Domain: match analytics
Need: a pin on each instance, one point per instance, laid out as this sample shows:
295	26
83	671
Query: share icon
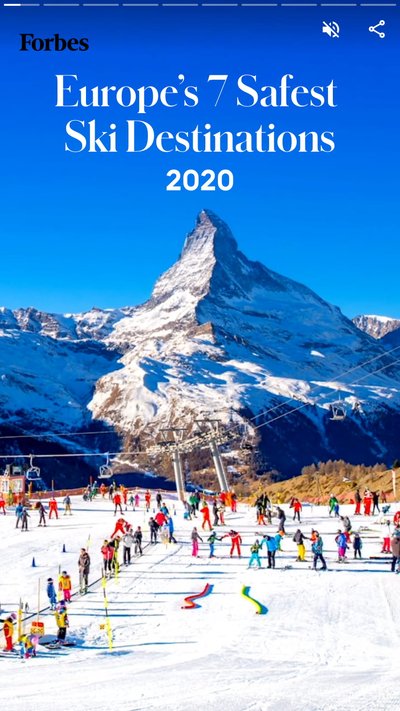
373	28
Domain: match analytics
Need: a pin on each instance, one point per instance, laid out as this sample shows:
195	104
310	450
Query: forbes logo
53	44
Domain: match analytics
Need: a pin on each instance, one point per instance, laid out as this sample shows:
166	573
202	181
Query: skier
103	490
65	586
299	539
147	498
341	542
128	541
158	499
108	553
317	548
270	542
236	540
42	514
211	542
215	512
221	511
160	518
29	643
8	631
332	503
18	512
195	538
51	593
3	504
357	545
153	525
386	548
121	527
281	519
170	524
61	616
255	554
53	507
138	537
367	502
336	509
297	507
346	523
67	505
375	502
395	544
357	499
137	501
84	569
233	502
117	502
131	501
206	516
24	519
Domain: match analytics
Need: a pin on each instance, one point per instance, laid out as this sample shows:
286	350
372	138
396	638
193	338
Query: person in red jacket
121	527
396	518
160	518
117	502
297	507
206	516
2	504
53	507
108	554
147	498
236	541
367	503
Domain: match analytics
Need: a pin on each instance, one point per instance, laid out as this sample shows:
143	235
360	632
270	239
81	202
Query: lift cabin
338	411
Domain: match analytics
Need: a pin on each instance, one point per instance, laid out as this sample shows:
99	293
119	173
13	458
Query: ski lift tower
171	440
215	436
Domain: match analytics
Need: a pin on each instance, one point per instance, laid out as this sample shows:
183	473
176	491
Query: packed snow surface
329	642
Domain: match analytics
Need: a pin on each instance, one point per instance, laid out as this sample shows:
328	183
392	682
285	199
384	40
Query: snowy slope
329	641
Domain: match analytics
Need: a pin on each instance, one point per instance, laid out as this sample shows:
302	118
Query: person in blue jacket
270	542
170	525
317	549
255	554
51	593
18	512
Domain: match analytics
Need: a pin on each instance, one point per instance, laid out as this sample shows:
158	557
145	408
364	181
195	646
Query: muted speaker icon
331	29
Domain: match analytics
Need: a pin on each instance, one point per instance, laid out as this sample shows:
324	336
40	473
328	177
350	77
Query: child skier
8	631
211	542
65	586
357	545
51	593
195	537
61	616
255	554
341	542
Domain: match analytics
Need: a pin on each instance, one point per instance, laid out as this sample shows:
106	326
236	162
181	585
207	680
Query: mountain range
219	334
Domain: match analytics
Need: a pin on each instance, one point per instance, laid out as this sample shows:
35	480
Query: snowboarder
84	569
195	538
51	593
65	586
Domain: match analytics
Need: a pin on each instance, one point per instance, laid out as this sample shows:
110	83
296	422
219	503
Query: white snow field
329	642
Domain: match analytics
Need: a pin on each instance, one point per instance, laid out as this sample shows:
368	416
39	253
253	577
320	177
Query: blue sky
94	229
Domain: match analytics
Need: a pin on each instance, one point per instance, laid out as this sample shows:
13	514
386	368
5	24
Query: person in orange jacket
236	540
53	507
65	586
147	498
206	516
8	630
